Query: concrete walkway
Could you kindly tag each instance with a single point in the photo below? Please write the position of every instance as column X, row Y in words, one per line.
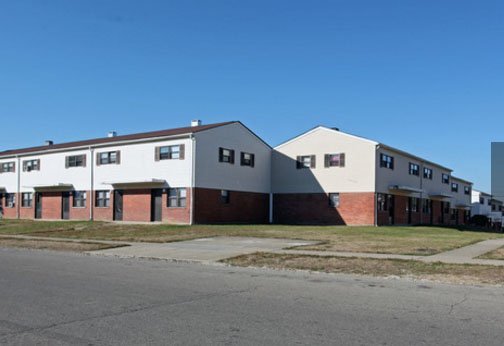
column 206, row 250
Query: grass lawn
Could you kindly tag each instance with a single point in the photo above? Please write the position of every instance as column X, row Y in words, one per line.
column 53, row 245
column 393, row 240
column 496, row 254
column 453, row 273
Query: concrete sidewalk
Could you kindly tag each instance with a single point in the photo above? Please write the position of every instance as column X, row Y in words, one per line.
column 211, row 250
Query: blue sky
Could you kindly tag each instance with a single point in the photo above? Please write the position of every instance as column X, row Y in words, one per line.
column 424, row 76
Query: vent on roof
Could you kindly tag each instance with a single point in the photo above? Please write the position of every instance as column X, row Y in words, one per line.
column 335, row 128
column 48, row 142
column 112, row 134
column 195, row 123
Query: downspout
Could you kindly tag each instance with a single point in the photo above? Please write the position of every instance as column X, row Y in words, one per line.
column 18, row 192
column 91, row 192
column 421, row 194
column 193, row 179
column 375, row 212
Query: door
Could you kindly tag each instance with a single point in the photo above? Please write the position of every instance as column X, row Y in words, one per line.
column 442, row 213
column 65, row 205
column 38, row 205
column 118, row 205
column 410, row 205
column 156, row 204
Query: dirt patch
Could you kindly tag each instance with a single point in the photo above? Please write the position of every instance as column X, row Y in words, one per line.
column 451, row 273
column 495, row 255
column 54, row 245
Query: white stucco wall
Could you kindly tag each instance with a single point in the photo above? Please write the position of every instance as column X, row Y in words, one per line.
column 210, row 173
column 356, row 176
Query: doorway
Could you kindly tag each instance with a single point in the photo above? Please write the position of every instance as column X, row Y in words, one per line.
column 38, row 205
column 156, row 204
column 65, row 205
column 118, row 205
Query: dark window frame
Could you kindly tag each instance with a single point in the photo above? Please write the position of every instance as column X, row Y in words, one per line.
column 334, row 199
column 306, row 161
column 445, row 178
column 8, row 167
column 467, row 190
column 414, row 169
column 73, row 161
column 428, row 173
column 244, row 161
column 108, row 158
column 225, row 196
column 102, row 198
column 26, row 199
column 226, row 155
column 177, row 195
column 31, row 165
column 10, row 198
column 79, row 199
column 454, row 187
column 386, row 161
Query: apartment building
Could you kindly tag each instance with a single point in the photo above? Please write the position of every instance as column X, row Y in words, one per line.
column 485, row 205
column 326, row 176
column 197, row 174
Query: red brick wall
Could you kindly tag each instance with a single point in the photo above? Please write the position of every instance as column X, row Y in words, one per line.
column 27, row 212
column 80, row 213
column 244, row 207
column 51, row 205
column 313, row 208
column 137, row 205
column 177, row 215
column 103, row 214
column 9, row 213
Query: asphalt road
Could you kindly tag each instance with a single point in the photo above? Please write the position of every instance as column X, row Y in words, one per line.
column 49, row 298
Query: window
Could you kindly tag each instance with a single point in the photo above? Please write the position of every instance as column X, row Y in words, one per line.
column 413, row 204
column 494, row 207
column 445, row 178
column 171, row 152
column 107, row 158
column 26, row 199
column 446, row 207
column 75, row 161
column 386, row 161
column 427, row 173
column 177, row 198
column 427, row 206
column 454, row 187
column 334, row 160
column 306, row 161
column 489, row 201
column 414, row 169
column 8, row 167
column 382, row 200
column 79, row 199
column 453, row 214
column 334, row 200
column 467, row 190
column 226, row 155
column 247, row 159
column 481, row 200
column 31, row 165
column 225, row 196
column 102, row 199
column 10, row 200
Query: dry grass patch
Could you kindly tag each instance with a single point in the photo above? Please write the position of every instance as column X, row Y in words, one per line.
column 387, row 240
column 496, row 254
column 453, row 273
column 54, row 245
